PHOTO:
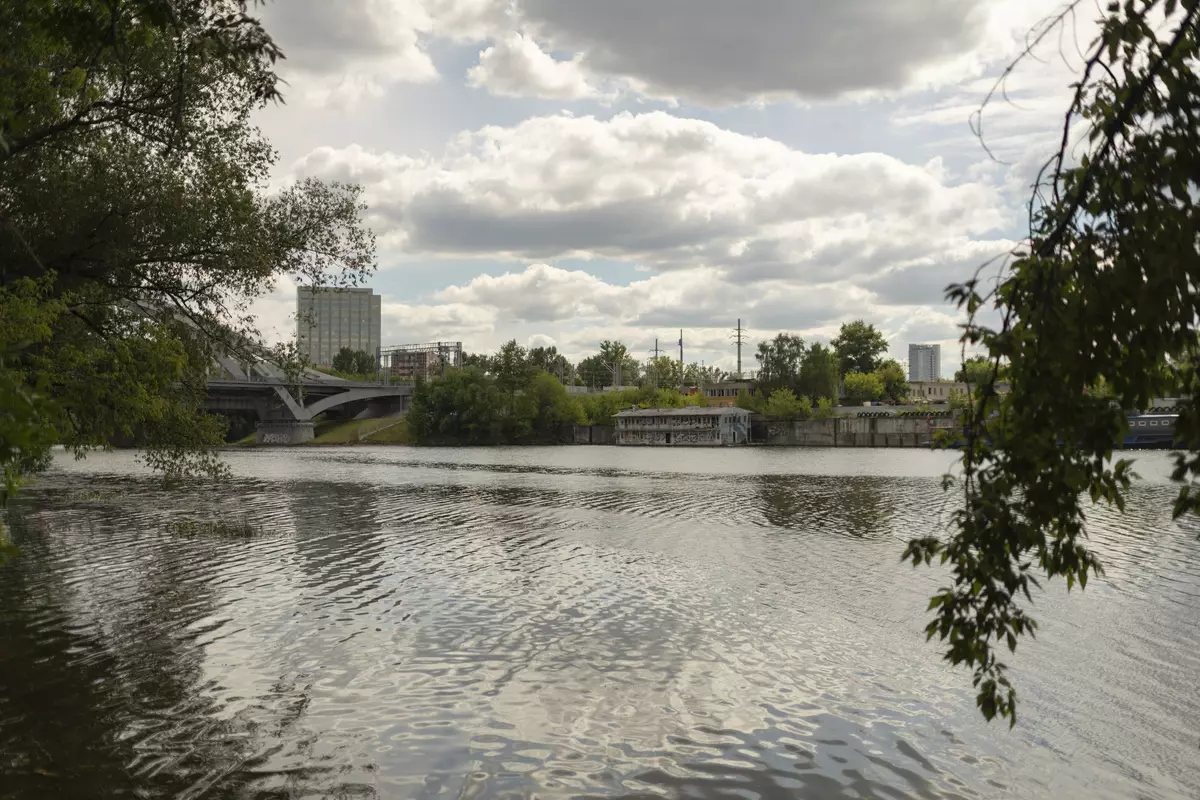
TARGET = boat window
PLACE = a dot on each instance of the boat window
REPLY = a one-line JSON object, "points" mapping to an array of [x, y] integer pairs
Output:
{"points": [[1153, 422], [1141, 423]]}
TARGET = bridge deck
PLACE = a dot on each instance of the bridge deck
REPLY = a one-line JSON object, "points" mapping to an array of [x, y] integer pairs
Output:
{"points": [[266, 383]]}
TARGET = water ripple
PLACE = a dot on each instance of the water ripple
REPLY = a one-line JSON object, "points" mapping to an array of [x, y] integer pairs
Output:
{"points": [[574, 622]]}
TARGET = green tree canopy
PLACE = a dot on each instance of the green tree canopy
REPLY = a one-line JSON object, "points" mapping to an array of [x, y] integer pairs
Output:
{"points": [[779, 360], [783, 404], [1103, 289], [511, 367], [819, 373], [601, 369], [137, 222], [664, 371], [895, 384], [862, 387], [700, 375], [859, 347], [549, 360], [353, 362], [751, 402], [976, 371]]}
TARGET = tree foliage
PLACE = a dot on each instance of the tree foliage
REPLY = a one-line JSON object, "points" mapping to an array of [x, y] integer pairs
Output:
{"points": [[519, 403], [859, 347], [548, 359], [1104, 289], [895, 383], [602, 368], [783, 404], [819, 373], [353, 362], [664, 371], [862, 387], [755, 402], [779, 360], [136, 223], [976, 371]]}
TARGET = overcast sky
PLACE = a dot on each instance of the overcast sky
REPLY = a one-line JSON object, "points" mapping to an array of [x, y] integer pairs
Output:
{"points": [[565, 171]]}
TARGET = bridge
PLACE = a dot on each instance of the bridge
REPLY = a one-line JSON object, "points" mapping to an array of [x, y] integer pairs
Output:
{"points": [[286, 408]]}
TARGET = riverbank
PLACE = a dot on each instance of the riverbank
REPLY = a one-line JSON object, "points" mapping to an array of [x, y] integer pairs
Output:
{"points": [[388, 430]]}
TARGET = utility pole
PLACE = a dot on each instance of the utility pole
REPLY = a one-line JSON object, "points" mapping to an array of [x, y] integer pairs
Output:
{"points": [[739, 338], [654, 363], [682, 379]]}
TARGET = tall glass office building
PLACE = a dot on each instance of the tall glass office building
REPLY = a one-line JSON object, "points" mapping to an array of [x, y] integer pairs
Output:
{"points": [[329, 319]]}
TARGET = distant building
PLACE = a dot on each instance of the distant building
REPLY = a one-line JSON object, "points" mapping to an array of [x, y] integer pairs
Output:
{"points": [[683, 427], [726, 393], [411, 362], [924, 362], [939, 391], [329, 319], [935, 391]]}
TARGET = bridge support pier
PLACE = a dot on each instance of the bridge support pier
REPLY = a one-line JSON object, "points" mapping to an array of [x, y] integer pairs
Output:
{"points": [[283, 432]]}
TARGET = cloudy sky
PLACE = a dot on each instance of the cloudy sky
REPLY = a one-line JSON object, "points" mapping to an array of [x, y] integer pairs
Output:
{"points": [[565, 171]]}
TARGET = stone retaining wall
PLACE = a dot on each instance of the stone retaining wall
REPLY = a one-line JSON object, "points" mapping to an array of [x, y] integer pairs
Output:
{"points": [[852, 432], [593, 434]]}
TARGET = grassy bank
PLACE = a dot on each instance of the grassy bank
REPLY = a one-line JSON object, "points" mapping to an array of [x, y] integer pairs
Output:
{"points": [[362, 431], [354, 431]]}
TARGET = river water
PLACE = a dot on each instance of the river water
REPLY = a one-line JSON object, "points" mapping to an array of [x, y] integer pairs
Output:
{"points": [[566, 622]]}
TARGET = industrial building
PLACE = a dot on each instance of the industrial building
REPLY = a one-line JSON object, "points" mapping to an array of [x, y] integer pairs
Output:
{"points": [[935, 391], [328, 319], [924, 362], [726, 393], [683, 427], [412, 362]]}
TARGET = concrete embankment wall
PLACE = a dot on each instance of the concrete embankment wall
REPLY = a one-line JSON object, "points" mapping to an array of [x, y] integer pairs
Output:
{"points": [[594, 434], [852, 432]]}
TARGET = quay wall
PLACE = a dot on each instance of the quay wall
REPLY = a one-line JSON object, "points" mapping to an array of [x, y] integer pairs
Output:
{"points": [[852, 432]]}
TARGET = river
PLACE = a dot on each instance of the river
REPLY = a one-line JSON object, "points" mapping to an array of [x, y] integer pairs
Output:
{"points": [[566, 622]]}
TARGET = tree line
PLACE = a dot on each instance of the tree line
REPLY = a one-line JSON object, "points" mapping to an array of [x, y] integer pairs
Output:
{"points": [[613, 365], [517, 395], [795, 377]]}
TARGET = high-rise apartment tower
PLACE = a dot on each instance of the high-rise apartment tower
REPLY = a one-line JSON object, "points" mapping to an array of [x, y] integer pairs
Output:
{"points": [[924, 362]]}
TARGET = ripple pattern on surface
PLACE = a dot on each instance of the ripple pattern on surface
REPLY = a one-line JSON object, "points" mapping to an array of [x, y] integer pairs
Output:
{"points": [[519, 623]]}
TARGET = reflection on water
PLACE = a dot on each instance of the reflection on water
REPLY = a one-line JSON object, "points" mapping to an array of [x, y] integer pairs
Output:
{"points": [[565, 622]]}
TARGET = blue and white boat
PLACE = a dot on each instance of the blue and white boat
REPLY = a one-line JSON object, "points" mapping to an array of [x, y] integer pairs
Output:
{"points": [[1150, 431]]}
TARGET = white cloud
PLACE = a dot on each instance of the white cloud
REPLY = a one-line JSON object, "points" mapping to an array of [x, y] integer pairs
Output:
{"points": [[405, 323], [576, 307], [667, 193], [1017, 116], [706, 52], [717, 53], [340, 53], [275, 313], [515, 65]]}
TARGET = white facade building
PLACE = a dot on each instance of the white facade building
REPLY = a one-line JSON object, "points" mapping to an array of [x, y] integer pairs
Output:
{"points": [[924, 362], [329, 319], [682, 427]]}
